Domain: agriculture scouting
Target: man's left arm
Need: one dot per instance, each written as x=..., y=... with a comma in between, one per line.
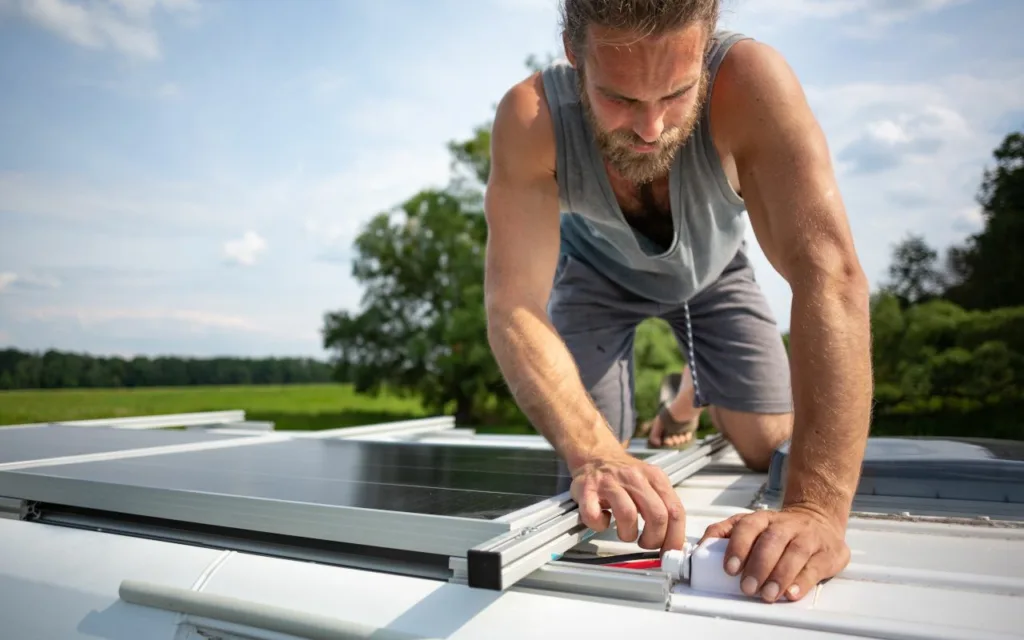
x=787, y=181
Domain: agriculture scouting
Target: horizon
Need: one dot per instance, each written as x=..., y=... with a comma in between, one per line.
x=176, y=183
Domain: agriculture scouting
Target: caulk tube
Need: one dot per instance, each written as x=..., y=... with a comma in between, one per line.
x=703, y=567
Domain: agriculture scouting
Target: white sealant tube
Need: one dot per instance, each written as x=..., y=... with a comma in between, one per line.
x=703, y=567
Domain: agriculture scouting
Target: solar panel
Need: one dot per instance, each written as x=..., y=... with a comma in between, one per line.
x=504, y=508
x=434, y=499
x=20, y=444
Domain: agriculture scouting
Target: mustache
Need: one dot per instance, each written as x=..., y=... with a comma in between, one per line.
x=630, y=138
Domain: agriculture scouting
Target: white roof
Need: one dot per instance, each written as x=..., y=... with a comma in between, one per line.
x=910, y=577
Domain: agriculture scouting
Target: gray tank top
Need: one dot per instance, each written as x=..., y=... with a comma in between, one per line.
x=707, y=213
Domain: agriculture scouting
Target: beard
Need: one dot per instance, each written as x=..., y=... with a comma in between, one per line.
x=616, y=146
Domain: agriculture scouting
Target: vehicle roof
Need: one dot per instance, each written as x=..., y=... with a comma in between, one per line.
x=912, y=575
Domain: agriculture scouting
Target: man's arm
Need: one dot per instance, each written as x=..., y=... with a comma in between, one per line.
x=522, y=210
x=797, y=214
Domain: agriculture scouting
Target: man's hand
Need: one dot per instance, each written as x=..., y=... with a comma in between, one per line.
x=628, y=487
x=782, y=553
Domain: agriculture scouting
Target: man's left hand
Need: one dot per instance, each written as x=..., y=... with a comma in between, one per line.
x=782, y=553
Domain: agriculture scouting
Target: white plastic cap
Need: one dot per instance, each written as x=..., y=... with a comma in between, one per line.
x=676, y=563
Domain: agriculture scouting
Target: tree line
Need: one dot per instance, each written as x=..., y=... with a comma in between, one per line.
x=54, y=369
x=948, y=334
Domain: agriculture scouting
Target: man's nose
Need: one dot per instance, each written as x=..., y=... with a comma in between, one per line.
x=649, y=123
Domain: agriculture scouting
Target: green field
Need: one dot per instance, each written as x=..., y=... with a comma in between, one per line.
x=298, y=406
x=314, y=406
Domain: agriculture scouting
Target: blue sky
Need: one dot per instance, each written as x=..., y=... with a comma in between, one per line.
x=186, y=177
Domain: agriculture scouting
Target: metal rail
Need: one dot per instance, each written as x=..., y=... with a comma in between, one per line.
x=211, y=418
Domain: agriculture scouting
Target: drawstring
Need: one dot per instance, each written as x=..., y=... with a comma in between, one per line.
x=693, y=362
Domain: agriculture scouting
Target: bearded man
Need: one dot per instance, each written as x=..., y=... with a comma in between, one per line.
x=620, y=186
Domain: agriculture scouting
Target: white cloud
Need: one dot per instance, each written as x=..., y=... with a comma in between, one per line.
x=10, y=280
x=168, y=91
x=245, y=250
x=325, y=83
x=909, y=158
x=903, y=136
x=5, y=337
x=7, y=278
x=332, y=207
x=123, y=25
x=338, y=207
x=188, y=317
x=136, y=204
x=860, y=18
x=938, y=133
x=882, y=12
x=969, y=219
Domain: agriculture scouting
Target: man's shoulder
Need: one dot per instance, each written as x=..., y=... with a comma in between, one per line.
x=753, y=64
x=523, y=125
x=754, y=88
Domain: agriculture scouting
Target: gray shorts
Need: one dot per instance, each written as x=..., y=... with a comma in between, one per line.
x=727, y=333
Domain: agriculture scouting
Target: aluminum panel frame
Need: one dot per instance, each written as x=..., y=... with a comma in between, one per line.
x=425, y=533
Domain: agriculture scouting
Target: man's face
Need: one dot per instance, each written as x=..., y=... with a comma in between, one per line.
x=643, y=96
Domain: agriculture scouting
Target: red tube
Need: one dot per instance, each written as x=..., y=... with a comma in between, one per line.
x=637, y=564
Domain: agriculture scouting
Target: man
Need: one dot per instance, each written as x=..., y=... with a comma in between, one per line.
x=617, y=192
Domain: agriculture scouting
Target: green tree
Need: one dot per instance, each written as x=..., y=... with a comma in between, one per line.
x=987, y=266
x=913, y=275
x=421, y=327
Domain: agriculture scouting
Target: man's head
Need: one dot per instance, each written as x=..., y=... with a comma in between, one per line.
x=641, y=72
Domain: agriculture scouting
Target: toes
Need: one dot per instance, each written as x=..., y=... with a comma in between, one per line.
x=678, y=439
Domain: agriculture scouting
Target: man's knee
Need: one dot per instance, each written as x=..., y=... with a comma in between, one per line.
x=755, y=436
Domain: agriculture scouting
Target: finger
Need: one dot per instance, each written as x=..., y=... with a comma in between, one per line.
x=793, y=560
x=816, y=568
x=591, y=512
x=675, y=514
x=652, y=507
x=721, y=529
x=764, y=556
x=623, y=510
x=744, y=533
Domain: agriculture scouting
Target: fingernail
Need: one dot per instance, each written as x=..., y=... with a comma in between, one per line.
x=732, y=566
x=749, y=585
x=770, y=591
x=794, y=591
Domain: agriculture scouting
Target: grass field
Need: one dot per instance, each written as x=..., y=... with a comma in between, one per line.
x=300, y=406
x=314, y=406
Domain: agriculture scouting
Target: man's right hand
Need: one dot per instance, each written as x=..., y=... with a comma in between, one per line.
x=627, y=486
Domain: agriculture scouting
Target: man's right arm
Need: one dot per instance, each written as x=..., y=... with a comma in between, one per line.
x=521, y=205
x=522, y=210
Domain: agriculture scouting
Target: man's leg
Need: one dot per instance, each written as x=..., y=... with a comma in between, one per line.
x=738, y=362
x=683, y=410
x=597, y=321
